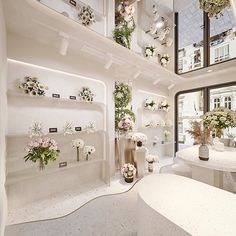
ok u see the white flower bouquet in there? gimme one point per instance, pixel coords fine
(126, 124)
(220, 118)
(86, 16)
(88, 151)
(42, 149)
(78, 144)
(140, 138)
(68, 128)
(164, 106)
(31, 86)
(90, 127)
(150, 104)
(152, 158)
(128, 171)
(164, 59)
(86, 95)
(150, 51)
(36, 129)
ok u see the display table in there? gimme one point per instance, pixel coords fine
(211, 171)
(175, 205)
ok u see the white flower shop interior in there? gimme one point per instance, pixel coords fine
(117, 117)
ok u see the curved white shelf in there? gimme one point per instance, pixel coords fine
(21, 98)
(56, 134)
(32, 172)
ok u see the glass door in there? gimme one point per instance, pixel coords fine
(190, 106)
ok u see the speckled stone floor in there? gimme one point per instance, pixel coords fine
(110, 215)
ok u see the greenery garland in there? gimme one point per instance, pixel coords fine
(122, 94)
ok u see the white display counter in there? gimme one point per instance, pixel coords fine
(175, 205)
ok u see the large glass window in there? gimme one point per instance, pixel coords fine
(190, 107)
(223, 37)
(190, 37)
(203, 41)
(227, 96)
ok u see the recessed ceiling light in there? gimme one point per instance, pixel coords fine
(209, 71)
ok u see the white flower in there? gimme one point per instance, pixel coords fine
(139, 137)
(152, 158)
(77, 143)
(88, 150)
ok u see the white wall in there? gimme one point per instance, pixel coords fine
(3, 118)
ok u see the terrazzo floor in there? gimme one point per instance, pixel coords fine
(68, 201)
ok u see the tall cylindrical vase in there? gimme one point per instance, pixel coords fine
(78, 153)
(204, 152)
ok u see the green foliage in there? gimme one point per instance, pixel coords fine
(122, 34)
(122, 94)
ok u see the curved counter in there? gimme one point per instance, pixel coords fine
(175, 205)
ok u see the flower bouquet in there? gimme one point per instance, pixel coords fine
(151, 159)
(150, 104)
(150, 51)
(164, 59)
(139, 138)
(126, 124)
(125, 24)
(86, 16)
(36, 129)
(78, 144)
(214, 8)
(164, 106)
(88, 151)
(31, 86)
(220, 118)
(42, 149)
(86, 95)
(128, 171)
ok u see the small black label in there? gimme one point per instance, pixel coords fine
(78, 128)
(56, 95)
(73, 97)
(52, 130)
(73, 2)
(62, 164)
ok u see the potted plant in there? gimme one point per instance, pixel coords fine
(151, 159)
(128, 171)
(42, 150)
(201, 134)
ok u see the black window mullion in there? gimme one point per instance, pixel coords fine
(206, 40)
(176, 43)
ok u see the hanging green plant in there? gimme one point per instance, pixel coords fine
(214, 8)
(122, 94)
(125, 24)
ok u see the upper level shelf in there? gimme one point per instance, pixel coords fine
(53, 27)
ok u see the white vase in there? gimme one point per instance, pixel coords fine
(204, 152)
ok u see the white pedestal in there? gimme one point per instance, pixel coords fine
(208, 176)
(140, 158)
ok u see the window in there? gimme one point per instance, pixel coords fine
(202, 41)
(191, 105)
(216, 102)
(190, 37)
(228, 102)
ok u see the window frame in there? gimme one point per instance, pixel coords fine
(206, 103)
(206, 45)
